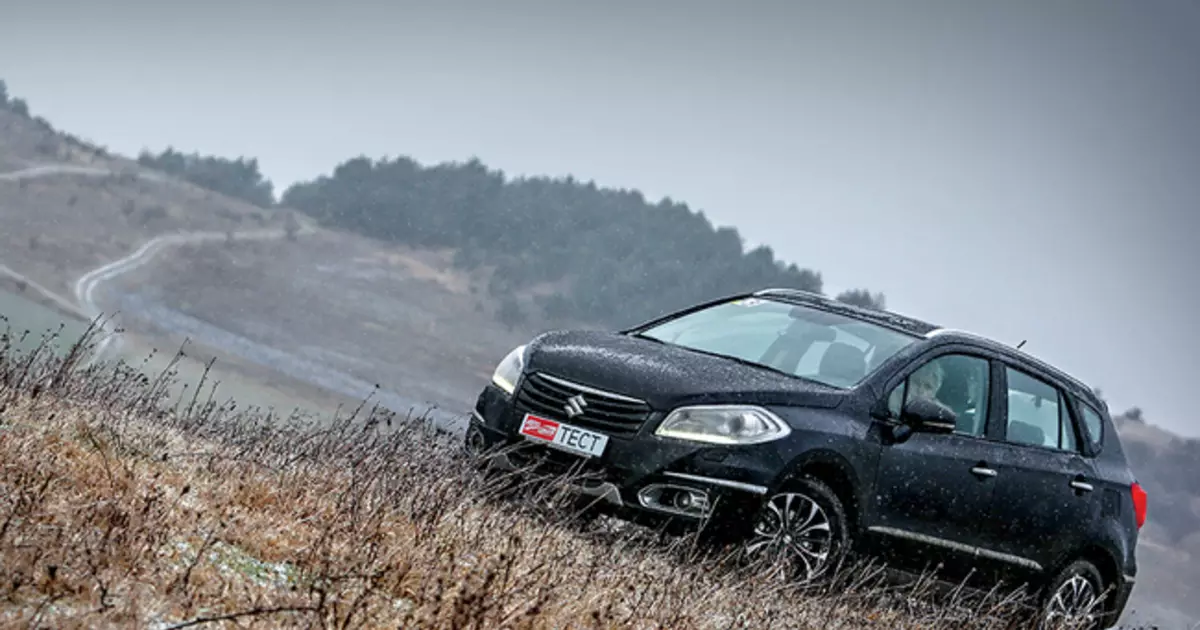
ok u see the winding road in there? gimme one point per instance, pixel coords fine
(84, 289)
(46, 170)
(84, 305)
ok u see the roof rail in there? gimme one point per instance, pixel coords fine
(955, 331)
(785, 291)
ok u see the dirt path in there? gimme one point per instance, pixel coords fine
(84, 288)
(277, 375)
(82, 304)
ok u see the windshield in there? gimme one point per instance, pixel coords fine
(797, 340)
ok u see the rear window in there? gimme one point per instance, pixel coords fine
(1037, 413)
(1094, 423)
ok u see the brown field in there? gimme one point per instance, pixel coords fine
(405, 319)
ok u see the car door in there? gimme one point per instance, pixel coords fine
(1043, 506)
(935, 489)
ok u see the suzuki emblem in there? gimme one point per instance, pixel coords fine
(575, 405)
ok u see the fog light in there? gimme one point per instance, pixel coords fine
(476, 442)
(675, 499)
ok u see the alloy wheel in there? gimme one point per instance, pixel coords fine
(795, 530)
(1075, 604)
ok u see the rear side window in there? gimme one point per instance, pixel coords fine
(1038, 414)
(1094, 423)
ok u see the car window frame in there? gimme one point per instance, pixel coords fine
(910, 366)
(1054, 382)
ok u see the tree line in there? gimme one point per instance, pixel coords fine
(239, 178)
(14, 105)
(570, 249)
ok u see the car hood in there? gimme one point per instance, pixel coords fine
(665, 375)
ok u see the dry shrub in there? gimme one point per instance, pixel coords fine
(118, 509)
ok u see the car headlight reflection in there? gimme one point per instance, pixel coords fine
(508, 371)
(723, 424)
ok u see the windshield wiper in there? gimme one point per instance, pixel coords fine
(639, 335)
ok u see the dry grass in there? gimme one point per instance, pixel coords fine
(119, 508)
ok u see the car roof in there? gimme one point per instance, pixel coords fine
(892, 320)
(928, 331)
(1082, 389)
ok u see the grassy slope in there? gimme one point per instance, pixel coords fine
(112, 514)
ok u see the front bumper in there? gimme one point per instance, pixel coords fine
(642, 475)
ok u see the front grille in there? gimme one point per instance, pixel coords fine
(611, 413)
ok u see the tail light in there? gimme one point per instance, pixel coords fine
(1139, 503)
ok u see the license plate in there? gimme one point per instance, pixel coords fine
(564, 436)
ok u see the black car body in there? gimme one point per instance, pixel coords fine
(789, 407)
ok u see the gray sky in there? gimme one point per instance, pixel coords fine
(1021, 169)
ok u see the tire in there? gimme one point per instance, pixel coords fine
(788, 534)
(1075, 599)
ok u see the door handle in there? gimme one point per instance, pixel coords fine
(984, 471)
(1082, 486)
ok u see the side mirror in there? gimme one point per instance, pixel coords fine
(929, 416)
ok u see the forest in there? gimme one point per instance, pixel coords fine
(568, 248)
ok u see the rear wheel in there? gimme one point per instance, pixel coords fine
(1075, 599)
(800, 530)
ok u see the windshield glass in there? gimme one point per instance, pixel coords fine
(798, 340)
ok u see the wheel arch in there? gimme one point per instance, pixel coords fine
(835, 471)
(1104, 560)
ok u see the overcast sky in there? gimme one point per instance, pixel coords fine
(1021, 169)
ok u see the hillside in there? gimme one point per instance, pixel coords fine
(340, 308)
(85, 208)
(1168, 466)
(559, 249)
(67, 207)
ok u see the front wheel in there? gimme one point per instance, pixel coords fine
(800, 530)
(1075, 599)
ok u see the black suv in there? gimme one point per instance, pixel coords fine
(838, 428)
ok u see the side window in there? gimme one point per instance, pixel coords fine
(1038, 414)
(1094, 423)
(958, 381)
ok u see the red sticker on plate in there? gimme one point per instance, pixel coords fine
(539, 427)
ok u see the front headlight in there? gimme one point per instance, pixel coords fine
(508, 371)
(724, 424)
